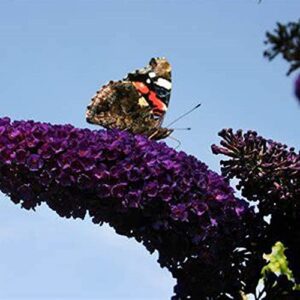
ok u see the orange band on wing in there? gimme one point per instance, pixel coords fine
(141, 87)
(159, 106)
(157, 102)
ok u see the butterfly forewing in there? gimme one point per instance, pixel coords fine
(137, 103)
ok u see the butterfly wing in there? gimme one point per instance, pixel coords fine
(154, 83)
(115, 105)
(138, 103)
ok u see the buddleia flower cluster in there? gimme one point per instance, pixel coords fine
(167, 200)
(269, 173)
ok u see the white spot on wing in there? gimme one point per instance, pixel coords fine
(164, 83)
(164, 108)
(152, 74)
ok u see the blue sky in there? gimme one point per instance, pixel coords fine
(55, 54)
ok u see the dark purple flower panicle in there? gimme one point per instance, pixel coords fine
(166, 199)
(297, 87)
(268, 172)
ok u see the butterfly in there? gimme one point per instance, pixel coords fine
(138, 103)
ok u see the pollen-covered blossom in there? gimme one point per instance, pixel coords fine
(165, 199)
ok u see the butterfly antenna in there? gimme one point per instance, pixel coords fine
(186, 128)
(185, 114)
(178, 142)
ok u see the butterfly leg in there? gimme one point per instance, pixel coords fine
(153, 134)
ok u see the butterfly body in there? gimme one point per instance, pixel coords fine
(137, 103)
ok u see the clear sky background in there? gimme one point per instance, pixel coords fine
(55, 54)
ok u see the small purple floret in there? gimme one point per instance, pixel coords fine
(34, 162)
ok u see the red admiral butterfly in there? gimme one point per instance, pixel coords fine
(137, 103)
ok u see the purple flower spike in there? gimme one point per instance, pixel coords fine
(168, 200)
(268, 173)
